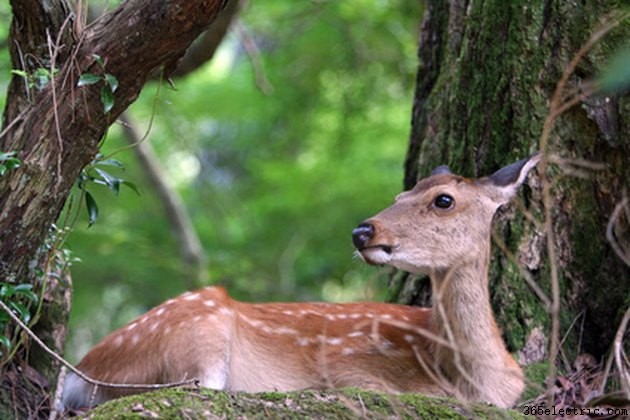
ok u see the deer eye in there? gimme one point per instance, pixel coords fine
(444, 201)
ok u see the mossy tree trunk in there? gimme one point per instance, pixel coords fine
(487, 72)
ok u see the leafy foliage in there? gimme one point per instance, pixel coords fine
(97, 175)
(110, 84)
(8, 161)
(18, 298)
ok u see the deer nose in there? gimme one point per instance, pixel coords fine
(362, 234)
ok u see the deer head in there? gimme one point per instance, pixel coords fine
(442, 222)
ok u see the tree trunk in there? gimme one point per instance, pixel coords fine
(55, 126)
(487, 72)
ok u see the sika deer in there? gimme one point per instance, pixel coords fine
(441, 227)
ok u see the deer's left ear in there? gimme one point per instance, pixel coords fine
(505, 182)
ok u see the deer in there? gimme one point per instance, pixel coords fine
(441, 227)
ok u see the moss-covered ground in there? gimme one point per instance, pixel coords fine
(341, 404)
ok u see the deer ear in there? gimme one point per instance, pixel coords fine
(506, 181)
(441, 170)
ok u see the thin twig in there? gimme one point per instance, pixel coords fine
(83, 375)
(254, 55)
(622, 364)
(610, 230)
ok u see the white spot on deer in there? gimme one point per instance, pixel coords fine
(154, 326)
(193, 296)
(160, 311)
(135, 339)
(131, 326)
(168, 302)
(303, 341)
(330, 317)
(309, 312)
(225, 311)
(347, 351)
(409, 338)
(253, 322)
(342, 316)
(285, 330)
(355, 334)
(143, 319)
(210, 303)
(334, 341)
(197, 318)
(288, 312)
(118, 340)
(385, 316)
(355, 316)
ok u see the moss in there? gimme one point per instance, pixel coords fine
(341, 404)
(535, 375)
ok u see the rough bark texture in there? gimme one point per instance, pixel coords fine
(55, 128)
(487, 71)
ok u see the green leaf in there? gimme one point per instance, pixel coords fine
(111, 81)
(616, 74)
(131, 185)
(7, 155)
(107, 98)
(8, 163)
(26, 290)
(98, 59)
(4, 341)
(23, 286)
(22, 312)
(92, 208)
(88, 79)
(6, 290)
(111, 181)
(111, 162)
(20, 73)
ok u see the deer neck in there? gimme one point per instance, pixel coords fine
(462, 315)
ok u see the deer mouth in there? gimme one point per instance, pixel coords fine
(376, 254)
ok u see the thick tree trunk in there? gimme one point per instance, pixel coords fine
(56, 127)
(487, 72)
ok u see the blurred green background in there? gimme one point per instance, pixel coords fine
(274, 182)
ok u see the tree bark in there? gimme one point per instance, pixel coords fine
(487, 72)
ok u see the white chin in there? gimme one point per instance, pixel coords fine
(376, 256)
